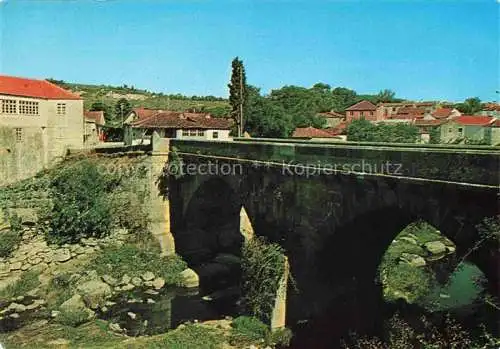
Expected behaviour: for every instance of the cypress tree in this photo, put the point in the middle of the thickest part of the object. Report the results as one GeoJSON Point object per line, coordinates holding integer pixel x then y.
{"type": "Point", "coordinates": [238, 94]}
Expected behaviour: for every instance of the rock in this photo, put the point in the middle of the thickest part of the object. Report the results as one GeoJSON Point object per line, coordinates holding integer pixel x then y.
{"type": "Point", "coordinates": [62, 255]}
{"type": "Point", "coordinates": [128, 287]}
{"type": "Point", "coordinates": [435, 247]}
{"type": "Point", "coordinates": [148, 283]}
{"type": "Point", "coordinates": [150, 301]}
{"type": "Point", "coordinates": [15, 266]}
{"type": "Point", "coordinates": [409, 239]}
{"type": "Point", "coordinates": [158, 283]}
{"type": "Point", "coordinates": [136, 281]}
{"type": "Point", "coordinates": [450, 249]}
{"type": "Point", "coordinates": [25, 266]}
{"type": "Point", "coordinates": [115, 327]}
{"type": "Point", "coordinates": [148, 276]}
{"type": "Point", "coordinates": [40, 267]}
{"type": "Point", "coordinates": [125, 279]}
{"type": "Point", "coordinates": [14, 316]}
{"type": "Point", "coordinates": [4, 267]}
{"type": "Point", "coordinates": [189, 278]}
{"type": "Point", "coordinates": [75, 304]}
{"type": "Point", "coordinates": [94, 293]}
{"type": "Point", "coordinates": [55, 313]}
{"type": "Point", "coordinates": [60, 342]}
{"type": "Point", "coordinates": [18, 308]}
{"type": "Point", "coordinates": [109, 303]}
{"type": "Point", "coordinates": [131, 315]}
{"type": "Point", "coordinates": [151, 292]}
{"type": "Point", "coordinates": [413, 259]}
{"type": "Point", "coordinates": [110, 280]}
{"type": "Point", "coordinates": [37, 303]}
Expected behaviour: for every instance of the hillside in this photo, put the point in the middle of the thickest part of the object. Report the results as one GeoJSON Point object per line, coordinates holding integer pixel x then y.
{"type": "Point", "coordinates": [109, 95]}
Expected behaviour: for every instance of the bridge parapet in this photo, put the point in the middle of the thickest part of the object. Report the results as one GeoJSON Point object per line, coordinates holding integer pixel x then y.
{"type": "Point", "coordinates": [470, 166]}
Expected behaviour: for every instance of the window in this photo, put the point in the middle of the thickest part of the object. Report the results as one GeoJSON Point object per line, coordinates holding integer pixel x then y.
{"type": "Point", "coordinates": [361, 113]}
{"type": "Point", "coordinates": [192, 132]}
{"type": "Point", "coordinates": [28, 108]}
{"type": "Point", "coordinates": [201, 133]}
{"type": "Point", "coordinates": [371, 113]}
{"type": "Point", "coordinates": [61, 108]}
{"type": "Point", "coordinates": [215, 134]}
{"type": "Point", "coordinates": [185, 133]}
{"type": "Point", "coordinates": [460, 130]}
{"type": "Point", "coordinates": [9, 106]}
{"type": "Point", "coordinates": [19, 135]}
{"type": "Point", "coordinates": [450, 129]}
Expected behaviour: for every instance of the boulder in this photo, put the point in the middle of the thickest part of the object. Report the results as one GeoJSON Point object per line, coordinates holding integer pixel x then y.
{"type": "Point", "coordinates": [189, 278]}
{"type": "Point", "coordinates": [158, 283]}
{"type": "Point", "coordinates": [128, 287]}
{"type": "Point", "coordinates": [408, 239]}
{"type": "Point", "coordinates": [94, 293]}
{"type": "Point", "coordinates": [413, 259]}
{"type": "Point", "coordinates": [109, 280]}
{"type": "Point", "coordinates": [62, 255]}
{"type": "Point", "coordinates": [148, 276]}
{"type": "Point", "coordinates": [435, 247]}
{"type": "Point", "coordinates": [136, 281]}
{"type": "Point", "coordinates": [125, 280]}
{"type": "Point", "coordinates": [75, 304]}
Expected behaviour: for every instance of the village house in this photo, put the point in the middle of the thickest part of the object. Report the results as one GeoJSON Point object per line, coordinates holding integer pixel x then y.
{"type": "Point", "coordinates": [490, 109]}
{"type": "Point", "coordinates": [39, 122]}
{"type": "Point", "coordinates": [141, 123]}
{"type": "Point", "coordinates": [467, 128]}
{"type": "Point", "coordinates": [361, 110]}
{"type": "Point", "coordinates": [312, 133]}
{"type": "Point", "coordinates": [443, 113]}
{"type": "Point", "coordinates": [332, 118]}
{"type": "Point", "coordinates": [426, 128]}
{"type": "Point", "coordinates": [93, 132]}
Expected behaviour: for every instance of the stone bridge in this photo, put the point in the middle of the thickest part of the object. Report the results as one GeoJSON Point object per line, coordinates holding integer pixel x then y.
{"type": "Point", "coordinates": [334, 208]}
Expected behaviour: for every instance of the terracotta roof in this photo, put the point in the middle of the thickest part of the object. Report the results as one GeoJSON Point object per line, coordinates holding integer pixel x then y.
{"type": "Point", "coordinates": [14, 86]}
{"type": "Point", "coordinates": [363, 105]}
{"type": "Point", "coordinates": [311, 132]}
{"type": "Point", "coordinates": [332, 114]}
{"type": "Point", "coordinates": [143, 113]}
{"type": "Point", "coordinates": [411, 111]}
{"type": "Point", "coordinates": [180, 120]}
{"type": "Point", "coordinates": [96, 116]}
{"type": "Point", "coordinates": [337, 130]}
{"type": "Point", "coordinates": [422, 122]}
{"type": "Point", "coordinates": [495, 123]}
{"type": "Point", "coordinates": [405, 117]}
{"type": "Point", "coordinates": [441, 113]}
{"type": "Point", "coordinates": [474, 120]}
{"type": "Point", "coordinates": [492, 107]}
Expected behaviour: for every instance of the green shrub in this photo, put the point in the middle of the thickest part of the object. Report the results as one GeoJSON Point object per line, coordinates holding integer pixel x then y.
{"type": "Point", "coordinates": [248, 330]}
{"type": "Point", "coordinates": [80, 208]}
{"type": "Point", "coordinates": [134, 261]}
{"type": "Point", "coordinates": [191, 337]}
{"type": "Point", "coordinates": [263, 267]}
{"type": "Point", "coordinates": [72, 318]}
{"type": "Point", "coordinates": [282, 337]}
{"type": "Point", "coordinates": [28, 281]}
{"type": "Point", "coordinates": [59, 290]}
{"type": "Point", "coordinates": [9, 240]}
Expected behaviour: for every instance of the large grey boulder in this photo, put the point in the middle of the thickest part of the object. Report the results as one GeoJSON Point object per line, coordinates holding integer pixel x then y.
{"type": "Point", "coordinates": [76, 304]}
{"type": "Point", "coordinates": [94, 293]}
{"type": "Point", "coordinates": [435, 247]}
{"type": "Point", "coordinates": [189, 278]}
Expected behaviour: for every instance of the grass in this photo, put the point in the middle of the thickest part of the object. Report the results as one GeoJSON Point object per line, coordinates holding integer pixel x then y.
{"type": "Point", "coordinates": [190, 337]}
{"type": "Point", "coordinates": [134, 260]}
{"type": "Point", "coordinates": [250, 330]}
{"type": "Point", "coordinates": [72, 318]}
{"type": "Point", "coordinates": [28, 281]}
{"type": "Point", "coordinates": [59, 290]}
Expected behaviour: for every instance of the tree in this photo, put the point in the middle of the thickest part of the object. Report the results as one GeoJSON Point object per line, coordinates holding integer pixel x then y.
{"type": "Point", "coordinates": [470, 106]}
{"type": "Point", "coordinates": [343, 98]}
{"type": "Point", "coordinates": [386, 96]}
{"type": "Point", "coordinates": [101, 106]}
{"type": "Point", "coordinates": [364, 131]}
{"type": "Point", "coordinates": [122, 108]}
{"type": "Point", "coordinates": [238, 94]}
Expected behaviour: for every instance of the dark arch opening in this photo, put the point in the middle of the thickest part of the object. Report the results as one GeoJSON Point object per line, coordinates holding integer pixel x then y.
{"type": "Point", "coordinates": [344, 284]}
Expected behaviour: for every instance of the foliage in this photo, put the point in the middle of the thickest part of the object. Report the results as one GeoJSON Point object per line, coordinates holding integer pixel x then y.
{"type": "Point", "coordinates": [10, 239]}
{"type": "Point", "coordinates": [80, 208]}
{"type": "Point", "coordinates": [104, 107]}
{"type": "Point", "coordinates": [364, 131]}
{"type": "Point", "coordinates": [470, 106]}
{"type": "Point", "coordinates": [249, 330]}
{"type": "Point", "coordinates": [28, 281]}
{"type": "Point", "coordinates": [134, 260]}
{"type": "Point", "coordinates": [414, 283]}
{"type": "Point", "coordinates": [59, 289]}
{"type": "Point", "coordinates": [386, 96]}
{"type": "Point", "coordinates": [122, 108]}
{"type": "Point", "coordinates": [238, 94]}
{"type": "Point", "coordinates": [263, 266]}
{"type": "Point", "coordinates": [72, 318]}
{"type": "Point", "coordinates": [435, 135]}
{"type": "Point", "coordinates": [191, 336]}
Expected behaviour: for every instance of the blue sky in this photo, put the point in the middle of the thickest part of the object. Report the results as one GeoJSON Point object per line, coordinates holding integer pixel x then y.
{"type": "Point", "coordinates": [420, 49]}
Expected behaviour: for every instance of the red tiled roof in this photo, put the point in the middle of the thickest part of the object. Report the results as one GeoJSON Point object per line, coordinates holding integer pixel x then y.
{"type": "Point", "coordinates": [474, 120]}
{"type": "Point", "coordinates": [96, 116]}
{"type": "Point", "coordinates": [441, 113]}
{"type": "Point", "coordinates": [180, 120]}
{"type": "Point", "coordinates": [363, 105]}
{"type": "Point", "coordinates": [311, 132]}
{"type": "Point", "coordinates": [411, 110]}
{"type": "Point", "coordinates": [492, 107]}
{"type": "Point", "coordinates": [495, 123]}
{"type": "Point", "coordinates": [143, 113]}
{"type": "Point", "coordinates": [14, 86]}
{"type": "Point", "coordinates": [332, 114]}
{"type": "Point", "coordinates": [405, 117]}
{"type": "Point", "coordinates": [422, 122]}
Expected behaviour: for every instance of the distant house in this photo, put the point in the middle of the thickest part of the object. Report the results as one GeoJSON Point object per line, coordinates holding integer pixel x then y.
{"type": "Point", "coordinates": [314, 133]}
{"type": "Point", "coordinates": [404, 110]}
{"type": "Point", "coordinates": [362, 110]}
{"type": "Point", "coordinates": [180, 125]}
{"type": "Point", "coordinates": [93, 131]}
{"type": "Point", "coordinates": [444, 113]}
{"type": "Point", "coordinates": [468, 128]}
{"type": "Point", "coordinates": [490, 109]}
{"type": "Point", "coordinates": [39, 122]}
{"type": "Point", "coordinates": [495, 132]}
{"type": "Point", "coordinates": [425, 128]}
{"type": "Point", "coordinates": [332, 118]}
